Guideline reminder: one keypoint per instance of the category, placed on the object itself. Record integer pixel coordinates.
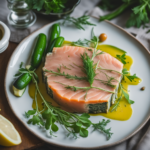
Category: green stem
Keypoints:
(102, 89)
(66, 75)
(110, 70)
(118, 11)
(75, 88)
(35, 98)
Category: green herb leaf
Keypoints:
(54, 127)
(101, 127)
(18, 74)
(131, 78)
(122, 58)
(88, 67)
(126, 95)
(83, 132)
(35, 120)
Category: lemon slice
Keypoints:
(8, 134)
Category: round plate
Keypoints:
(122, 129)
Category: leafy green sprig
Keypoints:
(47, 6)
(122, 93)
(78, 22)
(49, 115)
(101, 127)
(122, 58)
(140, 10)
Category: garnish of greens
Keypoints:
(48, 6)
(50, 116)
(138, 17)
(78, 22)
(89, 68)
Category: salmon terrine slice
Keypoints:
(67, 60)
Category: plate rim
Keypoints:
(59, 145)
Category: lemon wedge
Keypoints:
(8, 134)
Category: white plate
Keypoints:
(121, 129)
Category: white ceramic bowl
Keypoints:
(5, 38)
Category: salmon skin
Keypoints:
(67, 59)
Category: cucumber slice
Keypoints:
(18, 92)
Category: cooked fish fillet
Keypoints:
(69, 58)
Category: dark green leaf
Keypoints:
(30, 112)
(131, 78)
(79, 124)
(83, 132)
(85, 115)
(21, 64)
(122, 58)
(22, 70)
(54, 127)
(18, 74)
(126, 95)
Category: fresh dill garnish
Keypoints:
(122, 58)
(78, 22)
(107, 82)
(75, 88)
(88, 67)
(66, 75)
(66, 67)
(101, 127)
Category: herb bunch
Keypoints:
(47, 5)
(50, 116)
(140, 10)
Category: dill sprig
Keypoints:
(101, 127)
(88, 67)
(76, 88)
(107, 82)
(78, 22)
(66, 75)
